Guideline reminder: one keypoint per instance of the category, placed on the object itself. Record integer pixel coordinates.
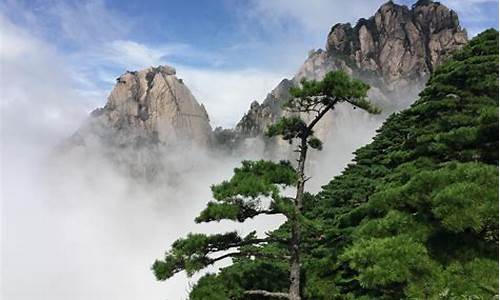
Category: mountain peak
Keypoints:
(398, 41)
(150, 105)
(394, 51)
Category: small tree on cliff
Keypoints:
(256, 187)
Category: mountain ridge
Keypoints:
(394, 51)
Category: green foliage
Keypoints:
(255, 178)
(478, 276)
(315, 98)
(191, 253)
(389, 260)
(415, 216)
(394, 223)
(209, 287)
(243, 275)
(421, 201)
(240, 197)
(197, 251)
(288, 127)
(461, 196)
(335, 85)
(243, 197)
(315, 143)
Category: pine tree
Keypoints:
(414, 216)
(244, 195)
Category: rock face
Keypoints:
(149, 123)
(151, 106)
(397, 42)
(394, 51)
(257, 118)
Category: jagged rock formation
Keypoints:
(256, 120)
(151, 106)
(394, 51)
(150, 121)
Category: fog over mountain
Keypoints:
(88, 202)
(394, 51)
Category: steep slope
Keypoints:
(416, 215)
(394, 51)
(151, 106)
(418, 211)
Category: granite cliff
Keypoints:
(394, 51)
(151, 106)
(149, 122)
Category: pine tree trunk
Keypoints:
(295, 240)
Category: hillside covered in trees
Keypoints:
(416, 213)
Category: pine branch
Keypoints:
(268, 294)
(232, 254)
(246, 243)
(321, 114)
(269, 212)
(252, 242)
(247, 254)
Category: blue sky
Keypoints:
(229, 52)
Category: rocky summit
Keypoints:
(394, 51)
(147, 107)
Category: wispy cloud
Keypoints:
(471, 10)
(37, 84)
(89, 21)
(69, 23)
(135, 55)
(476, 15)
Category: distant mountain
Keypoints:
(149, 121)
(152, 106)
(394, 51)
